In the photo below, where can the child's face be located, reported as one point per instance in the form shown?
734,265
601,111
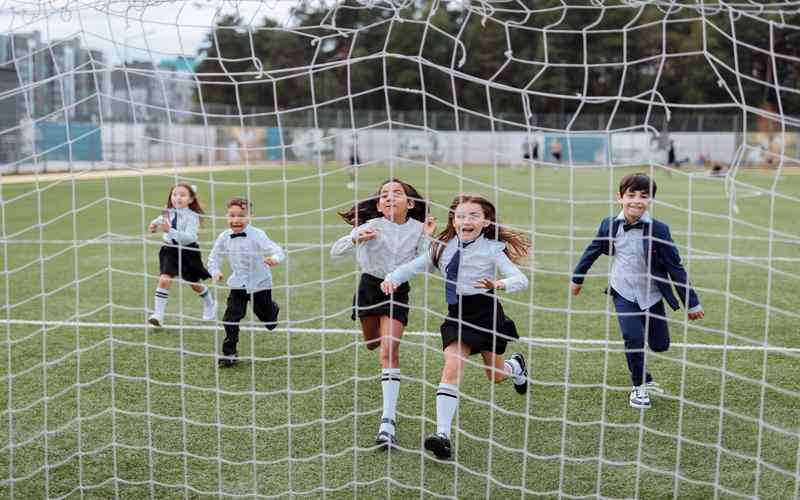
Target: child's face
469,221
634,203
238,218
181,197
393,202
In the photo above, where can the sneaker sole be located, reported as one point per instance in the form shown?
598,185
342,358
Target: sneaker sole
522,388
435,447
639,405
385,444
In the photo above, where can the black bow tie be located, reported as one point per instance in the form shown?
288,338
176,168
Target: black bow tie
636,225
238,235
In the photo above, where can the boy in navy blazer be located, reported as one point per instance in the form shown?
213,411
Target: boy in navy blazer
645,267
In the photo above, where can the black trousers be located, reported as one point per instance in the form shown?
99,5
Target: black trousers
263,306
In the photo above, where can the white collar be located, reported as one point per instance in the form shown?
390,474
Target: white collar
644,218
462,244
245,230
389,221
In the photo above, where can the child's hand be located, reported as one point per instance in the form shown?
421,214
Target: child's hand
271,261
696,315
151,228
430,226
575,288
388,287
217,277
489,284
365,235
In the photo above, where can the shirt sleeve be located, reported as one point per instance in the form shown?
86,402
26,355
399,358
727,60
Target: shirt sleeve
344,246
216,255
514,280
410,269
696,309
424,244
269,247
189,233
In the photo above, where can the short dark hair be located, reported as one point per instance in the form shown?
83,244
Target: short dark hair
242,203
637,182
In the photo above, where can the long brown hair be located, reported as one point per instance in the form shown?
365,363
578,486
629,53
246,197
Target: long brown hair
367,209
517,245
194,206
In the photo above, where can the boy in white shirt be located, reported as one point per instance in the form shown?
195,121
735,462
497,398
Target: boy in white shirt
245,247
646,264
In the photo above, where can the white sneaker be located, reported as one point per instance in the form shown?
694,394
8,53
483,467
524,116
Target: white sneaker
639,397
156,320
210,310
653,388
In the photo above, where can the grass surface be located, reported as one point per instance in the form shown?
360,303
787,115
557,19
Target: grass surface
101,411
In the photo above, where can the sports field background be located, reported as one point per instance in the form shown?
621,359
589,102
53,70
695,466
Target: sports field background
97,411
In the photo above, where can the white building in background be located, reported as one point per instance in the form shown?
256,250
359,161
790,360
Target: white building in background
60,76
143,92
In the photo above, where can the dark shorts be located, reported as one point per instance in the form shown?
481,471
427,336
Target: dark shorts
370,300
185,261
483,326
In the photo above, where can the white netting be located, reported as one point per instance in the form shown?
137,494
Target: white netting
103,105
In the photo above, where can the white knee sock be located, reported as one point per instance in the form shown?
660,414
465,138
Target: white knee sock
161,298
206,296
446,406
390,386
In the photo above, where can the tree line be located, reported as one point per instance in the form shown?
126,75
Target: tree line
434,56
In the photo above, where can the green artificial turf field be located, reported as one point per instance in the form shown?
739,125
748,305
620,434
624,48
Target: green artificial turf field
95,405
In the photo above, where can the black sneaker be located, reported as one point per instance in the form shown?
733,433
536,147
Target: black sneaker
521,380
274,324
385,439
439,444
228,360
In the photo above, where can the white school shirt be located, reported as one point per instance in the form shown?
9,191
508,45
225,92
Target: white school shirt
479,260
630,275
395,245
187,226
246,258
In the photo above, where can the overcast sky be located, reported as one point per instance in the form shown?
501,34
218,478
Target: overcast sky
156,32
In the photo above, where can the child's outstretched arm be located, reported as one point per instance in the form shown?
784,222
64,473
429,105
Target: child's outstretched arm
215,258
153,226
677,273
597,247
346,245
405,272
514,280
428,230
189,234
275,254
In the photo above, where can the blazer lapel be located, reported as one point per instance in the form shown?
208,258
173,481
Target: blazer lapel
614,228
646,241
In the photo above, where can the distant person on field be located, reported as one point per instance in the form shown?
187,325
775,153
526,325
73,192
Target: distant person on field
555,150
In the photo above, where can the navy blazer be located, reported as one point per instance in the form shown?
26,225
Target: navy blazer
665,261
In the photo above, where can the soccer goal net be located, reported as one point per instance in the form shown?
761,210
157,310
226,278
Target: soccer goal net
305,108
